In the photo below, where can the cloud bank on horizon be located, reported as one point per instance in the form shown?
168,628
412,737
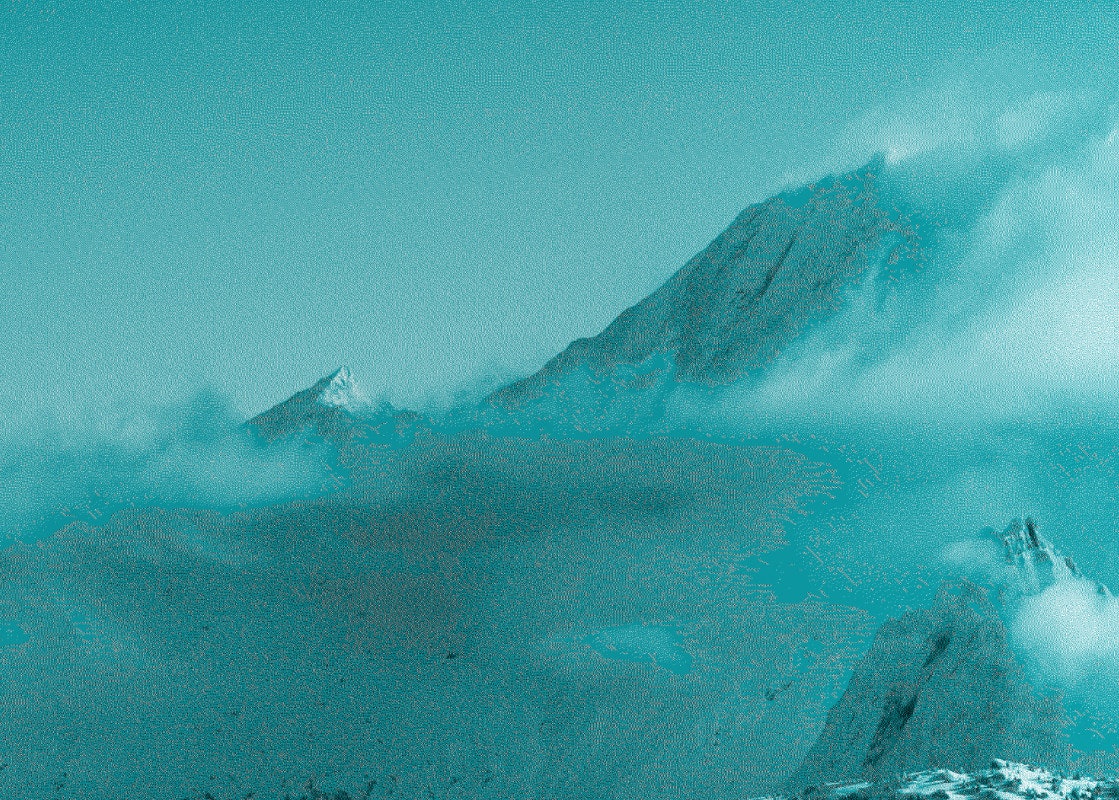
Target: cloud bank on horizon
195,456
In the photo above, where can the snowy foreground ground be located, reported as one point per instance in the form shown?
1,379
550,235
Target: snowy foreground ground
1004,780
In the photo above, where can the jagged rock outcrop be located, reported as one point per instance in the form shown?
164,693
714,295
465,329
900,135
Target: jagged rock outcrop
734,306
1036,564
939,687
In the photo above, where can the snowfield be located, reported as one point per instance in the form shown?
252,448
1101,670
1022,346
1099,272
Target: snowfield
1004,780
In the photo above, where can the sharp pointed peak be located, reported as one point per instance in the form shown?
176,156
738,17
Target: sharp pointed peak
340,375
1036,562
332,401
340,390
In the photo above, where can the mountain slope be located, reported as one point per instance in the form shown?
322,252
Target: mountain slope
734,306
731,310
939,687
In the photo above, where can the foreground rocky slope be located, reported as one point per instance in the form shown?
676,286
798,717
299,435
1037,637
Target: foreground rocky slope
942,687
939,687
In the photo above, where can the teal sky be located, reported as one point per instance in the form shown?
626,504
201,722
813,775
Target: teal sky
245,196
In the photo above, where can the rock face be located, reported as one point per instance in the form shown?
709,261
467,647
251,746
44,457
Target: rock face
737,304
938,688
1036,564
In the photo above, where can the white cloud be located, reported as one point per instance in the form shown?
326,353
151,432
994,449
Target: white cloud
196,456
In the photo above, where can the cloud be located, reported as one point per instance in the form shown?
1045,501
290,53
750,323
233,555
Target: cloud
197,455
1011,313
979,559
1071,630
1064,624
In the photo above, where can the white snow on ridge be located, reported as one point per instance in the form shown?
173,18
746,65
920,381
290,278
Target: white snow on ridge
329,408
1004,780
341,391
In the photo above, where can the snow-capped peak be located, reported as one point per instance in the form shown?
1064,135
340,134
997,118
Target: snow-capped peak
339,390
331,405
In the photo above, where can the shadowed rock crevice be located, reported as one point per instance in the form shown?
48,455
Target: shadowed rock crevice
896,714
767,281
938,647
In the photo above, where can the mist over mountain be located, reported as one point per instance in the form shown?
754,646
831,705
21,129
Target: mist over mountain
700,554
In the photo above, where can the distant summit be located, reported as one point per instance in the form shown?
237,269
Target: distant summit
736,305
1035,563
336,409
340,391
328,408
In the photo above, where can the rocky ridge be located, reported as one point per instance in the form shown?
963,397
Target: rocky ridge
734,307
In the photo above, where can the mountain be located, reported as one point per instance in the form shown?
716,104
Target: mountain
335,408
941,687
737,304
1001,780
781,265
1036,564
329,404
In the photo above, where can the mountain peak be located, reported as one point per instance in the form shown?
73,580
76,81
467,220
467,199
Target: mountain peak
339,390
329,405
781,265
1037,564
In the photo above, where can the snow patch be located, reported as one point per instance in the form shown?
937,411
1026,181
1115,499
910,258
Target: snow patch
341,391
1004,780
